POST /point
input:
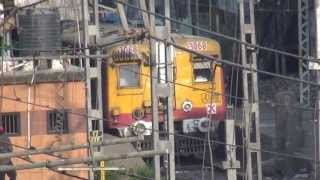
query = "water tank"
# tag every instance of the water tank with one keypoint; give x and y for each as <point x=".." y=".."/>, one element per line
<point x="39" y="32"/>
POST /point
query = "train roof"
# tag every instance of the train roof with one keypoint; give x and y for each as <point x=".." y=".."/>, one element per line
<point x="183" y="37"/>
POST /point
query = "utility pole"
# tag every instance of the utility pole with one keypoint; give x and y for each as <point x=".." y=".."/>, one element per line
<point x="231" y="164"/>
<point x="93" y="78"/>
<point x="250" y="91"/>
<point x="154" y="91"/>
<point x="304" y="50"/>
<point x="170" y="87"/>
<point x="197" y="16"/>
<point x="317" y="143"/>
<point x="162" y="88"/>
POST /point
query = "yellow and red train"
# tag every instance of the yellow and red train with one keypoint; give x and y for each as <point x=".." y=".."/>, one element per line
<point x="198" y="85"/>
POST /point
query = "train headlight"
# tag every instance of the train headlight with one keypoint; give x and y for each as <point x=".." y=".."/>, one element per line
<point x="115" y="111"/>
<point x="187" y="106"/>
<point x="147" y="106"/>
<point x="138" y="114"/>
<point x="139" y="128"/>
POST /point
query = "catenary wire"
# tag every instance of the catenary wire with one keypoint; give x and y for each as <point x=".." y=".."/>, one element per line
<point x="315" y="60"/>
<point x="83" y="114"/>
<point x="223" y="61"/>
<point x="220" y="34"/>
<point x="180" y="135"/>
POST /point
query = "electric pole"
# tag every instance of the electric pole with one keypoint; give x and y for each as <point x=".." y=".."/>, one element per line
<point x="250" y="91"/>
<point x="162" y="89"/>
<point x="231" y="164"/>
<point x="304" y="50"/>
<point x="154" y="91"/>
<point x="93" y="78"/>
<point x="317" y="14"/>
<point x="170" y="86"/>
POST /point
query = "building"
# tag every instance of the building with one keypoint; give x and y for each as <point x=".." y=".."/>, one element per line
<point x="30" y="124"/>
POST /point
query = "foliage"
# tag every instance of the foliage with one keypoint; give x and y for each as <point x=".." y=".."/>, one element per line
<point x="144" y="171"/>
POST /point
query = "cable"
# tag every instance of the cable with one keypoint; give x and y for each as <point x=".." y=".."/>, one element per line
<point x="225" y="95"/>
<point x="220" y="60"/>
<point x="222" y="35"/>
<point x="254" y="46"/>
<point x="180" y="135"/>
<point x="239" y="67"/>
<point x="229" y="96"/>
<point x="71" y="49"/>
<point x="19" y="100"/>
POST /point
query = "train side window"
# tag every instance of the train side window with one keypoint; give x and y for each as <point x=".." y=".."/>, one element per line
<point x="201" y="70"/>
<point x="129" y="75"/>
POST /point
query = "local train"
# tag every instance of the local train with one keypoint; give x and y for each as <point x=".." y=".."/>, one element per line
<point x="198" y="86"/>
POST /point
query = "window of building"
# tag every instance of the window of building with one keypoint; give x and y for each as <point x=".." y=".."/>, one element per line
<point x="129" y="75"/>
<point x="57" y="121"/>
<point x="201" y="70"/>
<point x="11" y="123"/>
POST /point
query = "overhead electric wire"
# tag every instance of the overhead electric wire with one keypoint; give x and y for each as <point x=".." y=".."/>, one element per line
<point x="176" y="134"/>
<point x="217" y="142"/>
<point x="235" y="64"/>
<point x="74" y="48"/>
<point x="218" y="60"/>
<point x="226" y="95"/>
<point x="208" y="58"/>
<point x="315" y="60"/>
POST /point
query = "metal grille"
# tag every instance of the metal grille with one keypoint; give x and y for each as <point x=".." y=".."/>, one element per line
<point x="183" y="146"/>
<point x="11" y="123"/>
<point x="56" y="124"/>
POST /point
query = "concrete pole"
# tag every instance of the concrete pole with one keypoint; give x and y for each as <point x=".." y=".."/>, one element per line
<point x="317" y="18"/>
<point x="197" y="16"/>
<point x="93" y="77"/>
<point x="170" y="87"/>
<point x="144" y="14"/>
<point x="210" y="15"/>
<point x="123" y="17"/>
<point x="231" y="164"/>
<point x="154" y="91"/>
<point x="250" y="92"/>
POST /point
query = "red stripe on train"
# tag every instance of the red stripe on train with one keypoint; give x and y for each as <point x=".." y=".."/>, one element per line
<point x="126" y="119"/>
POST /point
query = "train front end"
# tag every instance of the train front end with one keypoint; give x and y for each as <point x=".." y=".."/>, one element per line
<point x="198" y="87"/>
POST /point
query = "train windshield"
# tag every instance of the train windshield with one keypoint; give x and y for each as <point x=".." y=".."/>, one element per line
<point x="201" y="70"/>
<point x="128" y="75"/>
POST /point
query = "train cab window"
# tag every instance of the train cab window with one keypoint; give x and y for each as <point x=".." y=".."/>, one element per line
<point x="201" y="70"/>
<point x="129" y="75"/>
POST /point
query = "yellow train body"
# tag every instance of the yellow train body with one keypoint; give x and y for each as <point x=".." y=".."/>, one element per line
<point x="128" y="82"/>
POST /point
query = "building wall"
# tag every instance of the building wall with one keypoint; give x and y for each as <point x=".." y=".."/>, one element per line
<point x="46" y="94"/>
